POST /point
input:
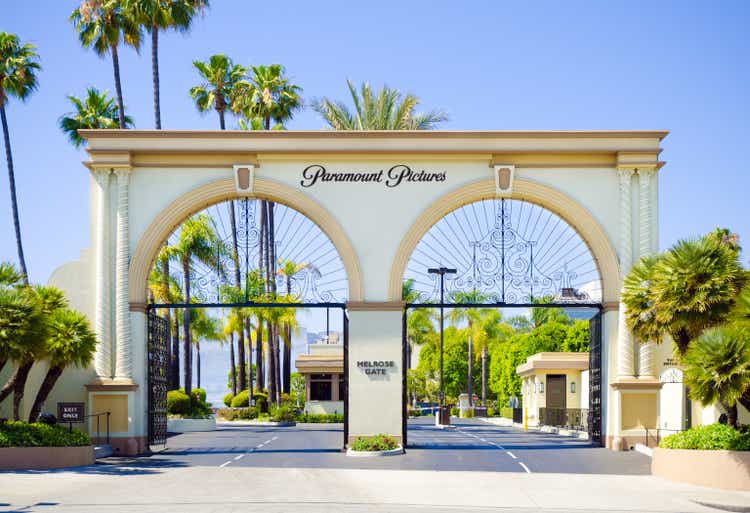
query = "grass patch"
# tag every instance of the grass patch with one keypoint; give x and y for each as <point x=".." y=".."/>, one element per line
<point x="374" y="443"/>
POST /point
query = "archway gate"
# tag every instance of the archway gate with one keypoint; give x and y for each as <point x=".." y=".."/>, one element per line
<point x="374" y="195"/>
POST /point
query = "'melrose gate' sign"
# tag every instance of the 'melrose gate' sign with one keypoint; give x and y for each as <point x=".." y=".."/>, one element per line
<point x="376" y="367"/>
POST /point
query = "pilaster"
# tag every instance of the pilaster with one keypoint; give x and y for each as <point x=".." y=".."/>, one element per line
<point x="103" y="356"/>
<point x="625" y="349"/>
<point x="123" y="360"/>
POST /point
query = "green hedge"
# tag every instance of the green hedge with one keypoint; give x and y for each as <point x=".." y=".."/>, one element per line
<point x="22" y="434"/>
<point x="283" y="413"/>
<point x="506" y="413"/>
<point x="228" y="399"/>
<point x="374" y="443"/>
<point x="713" y="437"/>
<point x="238" y="413"/>
<point x="320" y="418"/>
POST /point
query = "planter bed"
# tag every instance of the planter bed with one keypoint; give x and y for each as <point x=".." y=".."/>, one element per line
<point x="262" y="423"/>
<point x="729" y="470"/>
<point x="42" y="458"/>
<point x="191" y="425"/>
<point x="375" y="454"/>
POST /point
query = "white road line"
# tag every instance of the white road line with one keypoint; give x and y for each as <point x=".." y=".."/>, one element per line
<point x="482" y="439"/>
<point x="268" y="441"/>
<point x="259" y="446"/>
<point x="225" y="464"/>
<point x="274" y="438"/>
<point x="239" y="456"/>
<point x="511" y="455"/>
<point x="525" y="468"/>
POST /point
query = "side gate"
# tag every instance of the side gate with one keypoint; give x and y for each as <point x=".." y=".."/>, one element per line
<point x="158" y="354"/>
<point x="595" y="379"/>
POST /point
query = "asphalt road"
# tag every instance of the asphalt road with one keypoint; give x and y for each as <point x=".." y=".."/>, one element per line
<point x="472" y="446"/>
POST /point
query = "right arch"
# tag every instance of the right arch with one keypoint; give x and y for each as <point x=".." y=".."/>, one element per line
<point x="543" y="195"/>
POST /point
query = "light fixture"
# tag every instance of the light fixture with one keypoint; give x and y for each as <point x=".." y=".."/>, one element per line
<point x="541" y="387"/>
<point x="572" y="387"/>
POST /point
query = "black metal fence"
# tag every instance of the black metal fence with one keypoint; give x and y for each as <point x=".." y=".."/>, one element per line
<point x="654" y="435"/>
<point x="572" y="418"/>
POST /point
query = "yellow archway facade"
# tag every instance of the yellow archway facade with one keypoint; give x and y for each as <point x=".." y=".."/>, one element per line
<point x="543" y="195"/>
<point x="221" y="190"/>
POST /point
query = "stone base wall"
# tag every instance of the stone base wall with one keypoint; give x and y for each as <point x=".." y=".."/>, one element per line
<point x="42" y="458"/>
<point x="729" y="470"/>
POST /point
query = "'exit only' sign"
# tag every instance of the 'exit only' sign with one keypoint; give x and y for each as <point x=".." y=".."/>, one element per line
<point x="70" y="412"/>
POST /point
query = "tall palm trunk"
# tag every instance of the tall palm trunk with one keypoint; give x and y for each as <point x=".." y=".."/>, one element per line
<point x="484" y="376"/>
<point x="232" y="365"/>
<point x="118" y="87"/>
<point x="155" y="75"/>
<point x="174" y="373"/>
<point x="247" y="326"/>
<point x="469" y="378"/>
<point x="19" y="385"/>
<point x="198" y="361"/>
<point x="261" y="266"/>
<point x="260" y="375"/>
<point x="45" y="388"/>
<point x="731" y="414"/>
<point x="13" y="200"/>
<point x="187" y="370"/>
<point x="271" y="365"/>
<point x="222" y="124"/>
<point x="238" y="283"/>
<point x="272" y="280"/>
<point x="286" y="380"/>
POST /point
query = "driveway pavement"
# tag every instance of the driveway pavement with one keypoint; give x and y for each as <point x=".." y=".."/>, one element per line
<point x="472" y="446"/>
<point x="477" y="467"/>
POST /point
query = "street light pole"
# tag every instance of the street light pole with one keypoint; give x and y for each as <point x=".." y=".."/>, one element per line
<point x="441" y="271"/>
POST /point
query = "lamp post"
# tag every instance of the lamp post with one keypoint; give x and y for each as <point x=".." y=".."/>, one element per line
<point x="441" y="271"/>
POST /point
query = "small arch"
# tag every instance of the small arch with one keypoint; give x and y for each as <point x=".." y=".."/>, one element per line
<point x="543" y="195"/>
<point x="221" y="190"/>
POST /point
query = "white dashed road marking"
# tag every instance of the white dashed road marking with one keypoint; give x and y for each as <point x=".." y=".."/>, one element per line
<point x="511" y="455"/>
<point x="525" y="468"/>
<point x="225" y="464"/>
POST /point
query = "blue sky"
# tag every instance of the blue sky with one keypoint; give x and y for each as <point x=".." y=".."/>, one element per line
<point x="681" y="66"/>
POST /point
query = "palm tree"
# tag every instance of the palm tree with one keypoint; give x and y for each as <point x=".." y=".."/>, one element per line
<point x="267" y="95"/>
<point x="70" y="342"/>
<point x="717" y="368"/>
<point x="19" y="64"/>
<point x="49" y="300"/>
<point x="236" y="320"/>
<point x="477" y="335"/>
<point x="690" y="288"/>
<point x="22" y="321"/>
<point x="102" y="25"/>
<point x="288" y="270"/>
<point x="387" y="109"/>
<point x="544" y="314"/>
<point x="220" y="77"/>
<point x="159" y="15"/>
<point x="197" y="241"/>
<point x="97" y="111"/>
<point x="239" y="297"/>
<point x="203" y="327"/>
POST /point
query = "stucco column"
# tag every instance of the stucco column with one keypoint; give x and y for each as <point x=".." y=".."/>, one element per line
<point x="625" y="356"/>
<point x="647" y="349"/>
<point x="103" y="356"/>
<point x="124" y="360"/>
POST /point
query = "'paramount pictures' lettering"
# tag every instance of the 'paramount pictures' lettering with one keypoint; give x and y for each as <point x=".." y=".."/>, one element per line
<point x="376" y="367"/>
<point x="394" y="177"/>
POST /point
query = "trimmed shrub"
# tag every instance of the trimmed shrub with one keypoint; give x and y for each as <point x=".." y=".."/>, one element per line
<point x="237" y="413"/>
<point x="467" y="414"/>
<point x="261" y="401"/>
<point x="241" y="400"/>
<point x="374" y="443"/>
<point x="199" y="394"/>
<point x="22" y="434"/>
<point x="228" y="399"/>
<point x="178" y="403"/>
<point x="454" y="411"/>
<point x="490" y="411"/>
<point x="714" y="437"/>
<point x="506" y="413"/>
<point x="283" y="413"/>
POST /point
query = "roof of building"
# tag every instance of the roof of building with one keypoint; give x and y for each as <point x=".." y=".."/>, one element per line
<point x="553" y="361"/>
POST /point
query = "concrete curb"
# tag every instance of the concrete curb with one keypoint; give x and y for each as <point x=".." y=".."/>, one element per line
<point x="375" y="454"/>
<point x="648" y="451"/>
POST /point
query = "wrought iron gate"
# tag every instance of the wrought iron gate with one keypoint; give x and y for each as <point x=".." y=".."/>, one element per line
<point x="595" y="379"/>
<point x="158" y="354"/>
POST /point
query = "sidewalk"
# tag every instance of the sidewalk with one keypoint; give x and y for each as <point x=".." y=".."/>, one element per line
<point x="144" y="489"/>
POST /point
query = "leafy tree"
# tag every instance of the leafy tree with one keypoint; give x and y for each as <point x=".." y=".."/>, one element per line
<point x="70" y="342"/>
<point x="288" y="270"/>
<point x="219" y="77"/>
<point x="543" y="314"/>
<point x="96" y="111"/>
<point x="203" y="327"/>
<point x="19" y="64"/>
<point x="577" y="340"/>
<point x="159" y="15"/>
<point x="165" y="289"/>
<point x="387" y="109"/>
<point x="717" y="368"/>
<point x="103" y="25"/>
<point x="684" y="291"/>
<point x="476" y="320"/>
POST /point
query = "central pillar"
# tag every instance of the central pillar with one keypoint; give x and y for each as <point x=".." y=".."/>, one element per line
<point x="124" y="361"/>
<point x="103" y="356"/>
<point x="375" y="369"/>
